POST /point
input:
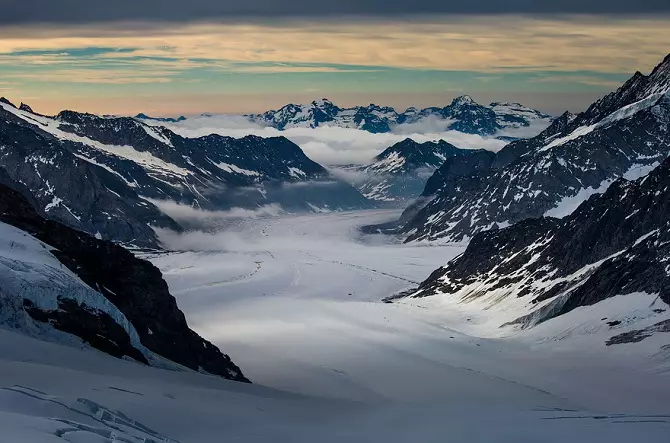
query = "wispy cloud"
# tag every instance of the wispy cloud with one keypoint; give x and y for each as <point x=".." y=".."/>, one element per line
<point x="201" y="219"/>
<point x="97" y="77"/>
<point x="242" y="67"/>
<point x="487" y="44"/>
<point x="580" y="79"/>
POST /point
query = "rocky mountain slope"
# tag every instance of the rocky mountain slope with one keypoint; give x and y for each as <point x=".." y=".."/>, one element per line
<point x="614" y="245"/>
<point x="58" y="283"/>
<point x="96" y="173"/>
<point x="400" y="172"/>
<point x="625" y="134"/>
<point x="463" y="115"/>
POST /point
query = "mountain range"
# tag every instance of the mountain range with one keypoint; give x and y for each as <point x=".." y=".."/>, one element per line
<point x="624" y="134"/>
<point x="574" y="218"/>
<point x="463" y="114"/>
<point x="103" y="175"/>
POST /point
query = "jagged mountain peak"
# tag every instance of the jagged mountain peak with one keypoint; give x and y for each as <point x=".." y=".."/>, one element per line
<point x="323" y="102"/>
<point x="559" y="125"/>
<point x="406" y="145"/>
<point x="463" y="100"/>
<point x="663" y="67"/>
<point x="70" y="116"/>
<point x="637" y="88"/>
<point x="427" y="153"/>
<point x="494" y="104"/>
<point x="26" y="107"/>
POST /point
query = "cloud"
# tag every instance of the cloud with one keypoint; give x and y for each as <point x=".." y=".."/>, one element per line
<point x="582" y="79"/>
<point x="244" y="66"/>
<point x="95" y="76"/>
<point x="85" y="11"/>
<point x="353" y="176"/>
<point x="201" y="241"/>
<point x="470" y="43"/>
<point x="232" y="236"/>
<point x="194" y="218"/>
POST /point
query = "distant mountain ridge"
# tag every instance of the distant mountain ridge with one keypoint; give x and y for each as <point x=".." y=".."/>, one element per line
<point x="463" y="115"/>
<point x="624" y="134"/>
<point x="142" y="116"/>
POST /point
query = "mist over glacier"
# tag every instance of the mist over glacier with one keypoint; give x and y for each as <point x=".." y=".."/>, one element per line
<point x="295" y="299"/>
<point x="331" y="145"/>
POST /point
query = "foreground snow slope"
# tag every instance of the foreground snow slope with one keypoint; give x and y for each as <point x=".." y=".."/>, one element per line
<point x="50" y="394"/>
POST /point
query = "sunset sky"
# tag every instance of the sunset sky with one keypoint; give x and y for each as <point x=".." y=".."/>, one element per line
<point x="170" y="58"/>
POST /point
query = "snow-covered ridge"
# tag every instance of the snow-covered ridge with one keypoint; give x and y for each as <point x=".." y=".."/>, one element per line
<point x="613" y="245"/>
<point x="143" y="158"/>
<point x="626" y="112"/>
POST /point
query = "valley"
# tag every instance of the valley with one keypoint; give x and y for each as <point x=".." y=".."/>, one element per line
<point x="296" y="302"/>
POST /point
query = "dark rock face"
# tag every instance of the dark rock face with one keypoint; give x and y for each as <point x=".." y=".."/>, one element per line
<point x="7" y="102"/>
<point x="622" y="135"/>
<point x="639" y="334"/>
<point x="613" y="244"/>
<point x="467" y="115"/>
<point x="94" y="173"/>
<point x="97" y="328"/>
<point x="400" y="172"/>
<point x="25" y="107"/>
<point x="134" y="286"/>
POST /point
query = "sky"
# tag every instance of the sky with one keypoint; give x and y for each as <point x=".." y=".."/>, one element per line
<point x="168" y="57"/>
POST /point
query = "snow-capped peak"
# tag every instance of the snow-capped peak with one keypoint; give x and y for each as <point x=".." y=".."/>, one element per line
<point x="463" y="100"/>
<point x="323" y="103"/>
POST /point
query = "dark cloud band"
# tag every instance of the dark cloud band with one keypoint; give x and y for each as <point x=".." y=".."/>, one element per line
<point x="16" y="12"/>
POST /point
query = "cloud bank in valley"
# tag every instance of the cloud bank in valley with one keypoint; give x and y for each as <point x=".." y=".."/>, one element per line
<point x="195" y="218"/>
<point x="333" y="145"/>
